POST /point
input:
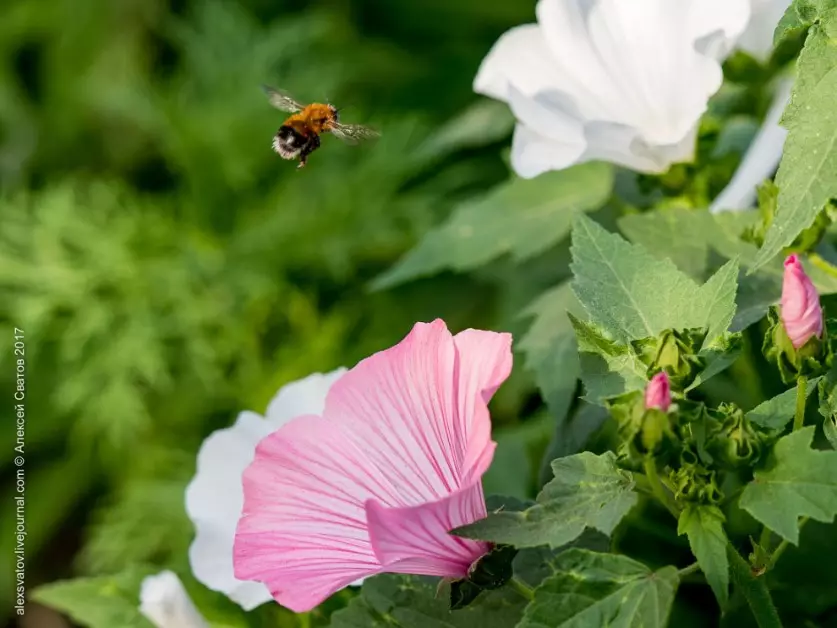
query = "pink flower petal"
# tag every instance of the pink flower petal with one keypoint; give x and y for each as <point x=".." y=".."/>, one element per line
<point x="402" y="433"/>
<point x="801" y="312"/>
<point x="416" y="540"/>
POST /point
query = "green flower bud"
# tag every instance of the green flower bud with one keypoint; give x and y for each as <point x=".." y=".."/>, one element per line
<point x="812" y="359"/>
<point x="734" y="442"/>
<point x="694" y="483"/>
<point x="674" y="352"/>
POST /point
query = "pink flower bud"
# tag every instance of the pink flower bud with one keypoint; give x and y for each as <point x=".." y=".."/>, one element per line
<point x="658" y="393"/>
<point x="801" y="312"/>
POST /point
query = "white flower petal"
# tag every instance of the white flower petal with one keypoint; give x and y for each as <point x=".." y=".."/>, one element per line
<point x="520" y="58"/>
<point x="165" y="603"/>
<point x="761" y="159"/>
<point x="635" y="77"/>
<point x="214" y="497"/>
<point x="757" y="39"/>
<point x="304" y="396"/>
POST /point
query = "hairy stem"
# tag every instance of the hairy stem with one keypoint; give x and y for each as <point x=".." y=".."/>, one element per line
<point x="780" y="549"/>
<point x="799" y="417"/>
<point x="521" y="587"/>
<point x="755" y="591"/>
<point x="688" y="570"/>
<point x="657" y="487"/>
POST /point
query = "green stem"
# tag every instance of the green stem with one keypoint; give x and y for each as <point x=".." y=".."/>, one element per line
<point x="780" y="549"/>
<point x="688" y="570"/>
<point x="641" y="482"/>
<point x="521" y="587"/>
<point x="755" y="591"/>
<point x="657" y="487"/>
<point x="304" y="620"/>
<point x="799" y="417"/>
<point x="766" y="536"/>
<point x="823" y="265"/>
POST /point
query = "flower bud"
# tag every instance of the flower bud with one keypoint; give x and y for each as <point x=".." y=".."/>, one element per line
<point x="658" y="393"/>
<point x="801" y="313"/>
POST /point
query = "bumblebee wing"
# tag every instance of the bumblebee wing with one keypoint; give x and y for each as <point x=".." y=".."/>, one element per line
<point x="353" y="133"/>
<point x="281" y="100"/>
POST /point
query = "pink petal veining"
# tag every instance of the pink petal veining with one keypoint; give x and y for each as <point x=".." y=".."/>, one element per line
<point x="376" y="483"/>
<point x="801" y="312"/>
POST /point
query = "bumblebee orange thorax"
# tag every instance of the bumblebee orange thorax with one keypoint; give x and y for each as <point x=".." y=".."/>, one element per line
<point x="319" y="117"/>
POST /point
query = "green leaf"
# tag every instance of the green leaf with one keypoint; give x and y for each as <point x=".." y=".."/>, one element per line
<point x="775" y="413"/>
<point x="102" y="602"/>
<point x="522" y="217"/>
<point x="483" y="122"/>
<point x="632" y="294"/>
<point x="719" y="355"/>
<point x="607" y="367"/>
<point x="805" y="176"/>
<point x="396" y="601"/>
<point x="698" y="242"/>
<point x="798" y="482"/>
<point x="591" y="590"/>
<point x="550" y="347"/>
<point x="588" y="491"/>
<point x="829" y="426"/>
<point x="704" y="526"/>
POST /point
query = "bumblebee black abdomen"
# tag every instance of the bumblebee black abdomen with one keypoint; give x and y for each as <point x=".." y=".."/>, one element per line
<point x="289" y="143"/>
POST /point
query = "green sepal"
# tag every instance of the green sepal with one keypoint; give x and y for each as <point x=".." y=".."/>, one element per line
<point x="733" y="441"/>
<point x="695" y="484"/>
<point x="491" y="571"/>
<point x="675" y="352"/>
<point x="642" y="431"/>
<point x="812" y="359"/>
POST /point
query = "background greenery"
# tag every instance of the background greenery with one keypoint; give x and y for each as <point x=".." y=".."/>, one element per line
<point x="169" y="270"/>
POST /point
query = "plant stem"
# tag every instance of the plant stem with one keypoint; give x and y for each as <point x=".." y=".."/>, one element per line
<point x="799" y="417"/>
<point x="817" y="260"/>
<point x="766" y="536"/>
<point x="657" y="487"/>
<point x="688" y="570"/>
<point x="754" y="589"/>
<point x="521" y="587"/>
<point x="641" y="482"/>
<point x="780" y="549"/>
<point x="304" y="620"/>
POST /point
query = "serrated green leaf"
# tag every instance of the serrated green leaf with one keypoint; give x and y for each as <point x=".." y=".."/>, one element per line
<point x="704" y="526"/>
<point x="607" y="367"/>
<point x="798" y="482"/>
<point x="775" y="413"/>
<point x="522" y="217"/>
<point x="588" y="491"/>
<point x="400" y="601"/>
<point x="697" y="242"/>
<point x="632" y="294"/>
<point x="805" y="176"/>
<point x="102" y="602"/>
<point x="591" y="590"/>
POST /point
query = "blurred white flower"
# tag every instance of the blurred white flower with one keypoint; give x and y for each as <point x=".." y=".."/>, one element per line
<point x="757" y="39"/>
<point x="165" y="603"/>
<point x="761" y="159"/>
<point x="215" y="496"/>
<point x="619" y="81"/>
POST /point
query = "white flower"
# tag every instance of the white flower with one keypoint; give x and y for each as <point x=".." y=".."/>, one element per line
<point x="215" y="496"/>
<point x="165" y="603"/>
<point x="757" y="39"/>
<point x="761" y="159"/>
<point x="624" y="81"/>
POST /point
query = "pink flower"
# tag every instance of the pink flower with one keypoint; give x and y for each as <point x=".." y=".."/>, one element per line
<point x="658" y="393"/>
<point x="376" y="483"/>
<point x="801" y="312"/>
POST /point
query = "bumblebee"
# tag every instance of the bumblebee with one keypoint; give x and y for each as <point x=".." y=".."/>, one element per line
<point x="299" y="135"/>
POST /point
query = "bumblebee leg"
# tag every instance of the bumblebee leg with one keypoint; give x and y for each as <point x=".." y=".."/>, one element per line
<point x="310" y="146"/>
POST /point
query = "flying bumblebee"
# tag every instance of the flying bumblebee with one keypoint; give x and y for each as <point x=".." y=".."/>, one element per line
<point x="299" y="135"/>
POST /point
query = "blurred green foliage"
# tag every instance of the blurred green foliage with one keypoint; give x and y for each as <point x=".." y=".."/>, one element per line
<point x="168" y="270"/>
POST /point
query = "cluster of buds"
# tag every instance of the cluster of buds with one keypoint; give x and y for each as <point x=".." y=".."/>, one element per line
<point x="795" y="341"/>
